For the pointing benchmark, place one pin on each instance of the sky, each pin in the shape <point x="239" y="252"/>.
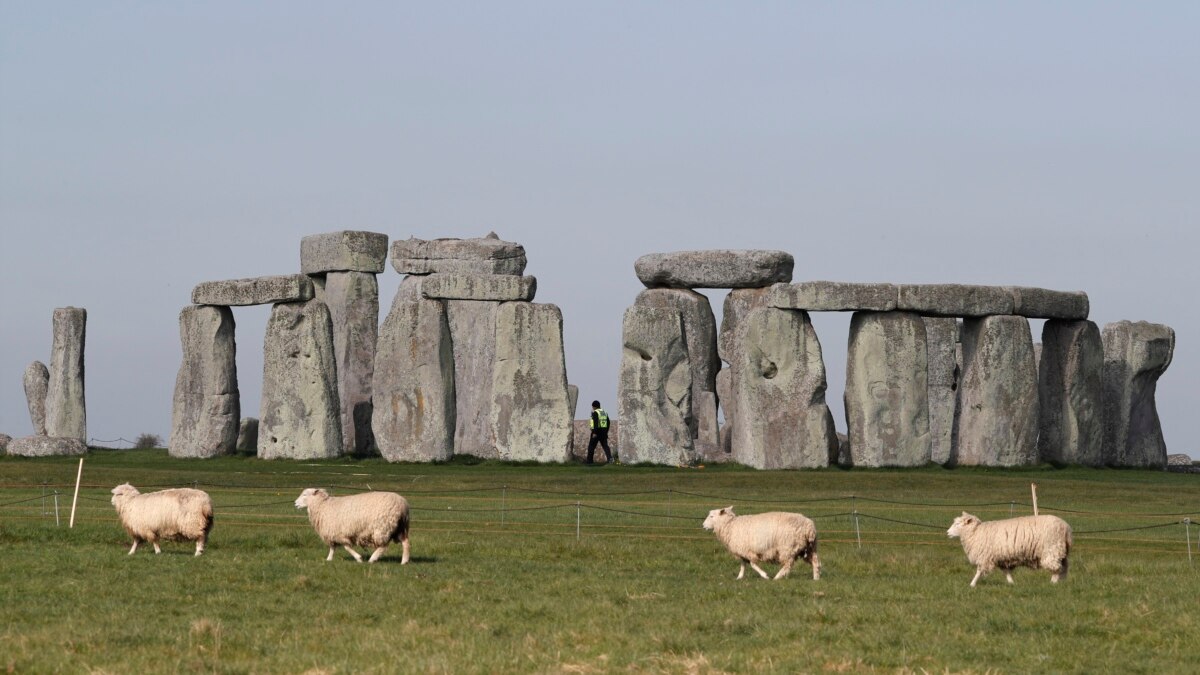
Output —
<point x="146" y="147"/>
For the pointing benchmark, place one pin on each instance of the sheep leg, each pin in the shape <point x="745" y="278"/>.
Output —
<point x="377" y="553"/>
<point x="978" y="573"/>
<point x="329" y="557"/>
<point x="760" y="571"/>
<point x="1060" y="573"/>
<point x="357" y="557"/>
<point x="741" y="571"/>
<point x="134" y="548"/>
<point x="404" y="549"/>
<point x="784" y="571"/>
<point x="157" y="550"/>
<point x="200" y="546"/>
<point x="1008" y="576"/>
<point x="816" y="565"/>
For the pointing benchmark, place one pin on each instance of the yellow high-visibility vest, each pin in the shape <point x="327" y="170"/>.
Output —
<point x="601" y="415"/>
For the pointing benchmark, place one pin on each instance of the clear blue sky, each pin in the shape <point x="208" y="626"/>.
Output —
<point x="145" y="147"/>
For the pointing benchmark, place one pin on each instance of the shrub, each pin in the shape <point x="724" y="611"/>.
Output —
<point x="148" y="441"/>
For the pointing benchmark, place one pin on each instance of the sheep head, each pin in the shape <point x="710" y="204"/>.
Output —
<point x="309" y="495"/>
<point x="718" y="516"/>
<point x="962" y="523"/>
<point x="123" y="491"/>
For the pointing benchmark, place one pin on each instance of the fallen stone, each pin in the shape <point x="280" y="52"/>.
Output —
<point x="300" y="415"/>
<point x="473" y="335"/>
<point x="344" y="251"/>
<point x="941" y="347"/>
<point x="887" y="390"/>
<point x="714" y="269"/>
<point x="1040" y="303"/>
<point x="353" y="301"/>
<point x="66" y="408"/>
<point x="413" y="418"/>
<point x="531" y="416"/>
<point x="654" y="392"/>
<point x="779" y="384"/>
<point x="485" y="255"/>
<point x="1070" y="390"/>
<point x="37" y="384"/>
<point x="700" y="335"/>
<point x="46" y="446"/>
<point x="1136" y="354"/>
<point x="247" y="439"/>
<point x="206" y="406"/>
<point x="954" y="300"/>
<point x="1179" y="459"/>
<point x="834" y="296"/>
<point x="997" y="411"/>
<point x="255" y="291"/>
<point x="493" y="287"/>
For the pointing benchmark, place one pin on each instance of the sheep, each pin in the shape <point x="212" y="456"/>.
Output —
<point x="182" y="514"/>
<point x="767" y="537"/>
<point x="1039" y="542"/>
<point x="367" y="519"/>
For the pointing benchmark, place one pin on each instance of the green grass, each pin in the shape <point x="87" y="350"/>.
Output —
<point x="635" y="592"/>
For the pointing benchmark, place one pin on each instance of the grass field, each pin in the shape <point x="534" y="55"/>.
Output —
<point x="499" y="581"/>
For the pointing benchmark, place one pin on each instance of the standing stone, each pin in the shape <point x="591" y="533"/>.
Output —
<point x="206" y="407"/>
<point x="353" y="301"/>
<point x="714" y="269"/>
<point x="66" y="411"/>
<point x="1070" y="391"/>
<point x="247" y="440"/>
<point x="708" y="434"/>
<point x="887" y="390"/>
<point x="413" y="418"/>
<point x="941" y="342"/>
<point x="779" y="385"/>
<point x="473" y="334"/>
<point x="1135" y="356"/>
<point x="531" y="414"/>
<point x="737" y="305"/>
<point x="300" y="417"/>
<point x="37" y="383"/>
<point x="725" y="401"/>
<point x="573" y="404"/>
<point x="700" y="334"/>
<point x="996" y="422"/>
<point x="5" y="439"/>
<point x="654" y="391"/>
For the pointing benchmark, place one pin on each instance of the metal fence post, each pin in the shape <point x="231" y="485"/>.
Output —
<point x="1187" y="530"/>
<point x="669" y="492"/>
<point x="58" y="522"/>
<point x="576" y="521"/>
<point x="503" y="504"/>
<point x="857" y="532"/>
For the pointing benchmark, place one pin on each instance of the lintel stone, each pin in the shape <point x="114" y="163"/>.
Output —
<point x="343" y="251"/>
<point x="833" y="296"/>
<point x="254" y="291"/>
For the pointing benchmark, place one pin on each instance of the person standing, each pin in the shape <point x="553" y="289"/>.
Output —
<point x="599" y="426"/>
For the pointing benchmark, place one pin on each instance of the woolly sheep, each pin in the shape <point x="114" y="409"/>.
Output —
<point x="766" y="537"/>
<point x="367" y="519"/>
<point x="182" y="514"/>
<point x="1039" y="542"/>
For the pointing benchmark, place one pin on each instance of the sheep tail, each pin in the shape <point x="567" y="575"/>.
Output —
<point x="400" y="532"/>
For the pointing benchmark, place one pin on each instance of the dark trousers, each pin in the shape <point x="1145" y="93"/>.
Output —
<point x="600" y="437"/>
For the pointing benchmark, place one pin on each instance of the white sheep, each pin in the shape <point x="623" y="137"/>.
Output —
<point x="1039" y="542"/>
<point x="181" y="514"/>
<point x="367" y="519"/>
<point x="766" y="537"/>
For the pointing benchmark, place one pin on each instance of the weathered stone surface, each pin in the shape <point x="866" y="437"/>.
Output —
<point x="485" y="255"/>
<point x="714" y="269"/>
<point x="954" y="300"/>
<point x="941" y="347"/>
<point x="247" y="438"/>
<point x="738" y="304"/>
<point x="66" y="409"/>
<point x="344" y="251"/>
<point x="410" y="289"/>
<point x="353" y="301"/>
<point x="1070" y="386"/>
<point x="254" y="291"/>
<point x="996" y="420"/>
<point x="1040" y="303"/>
<point x="5" y="439"/>
<point x="300" y="416"/>
<point x="725" y="401"/>
<point x="779" y="384"/>
<point x="206" y="407"/>
<point x="654" y="391"/>
<point x="573" y="399"/>
<point x="834" y="296"/>
<point x="37" y="384"/>
<point x="708" y="435"/>
<point x="473" y="334"/>
<point x="700" y="335"/>
<point x="531" y="416"/>
<point x="46" y="446"/>
<point x="583" y="434"/>
<point x="494" y="287"/>
<point x="1136" y="354"/>
<point x="413" y="419"/>
<point x="1179" y="459"/>
<point x="887" y="390"/>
